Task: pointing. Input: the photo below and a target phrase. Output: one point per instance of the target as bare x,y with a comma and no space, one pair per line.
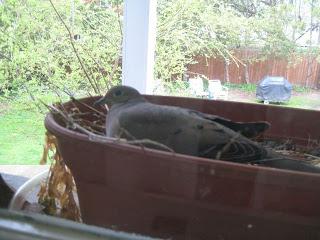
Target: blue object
274,89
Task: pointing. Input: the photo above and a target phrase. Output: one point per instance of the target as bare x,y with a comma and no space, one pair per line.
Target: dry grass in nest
286,147
56,195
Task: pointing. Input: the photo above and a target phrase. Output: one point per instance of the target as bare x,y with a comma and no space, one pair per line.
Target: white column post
139,39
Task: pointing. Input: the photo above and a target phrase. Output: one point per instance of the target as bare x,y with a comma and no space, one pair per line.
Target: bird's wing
247,129
146,120
219,142
186,132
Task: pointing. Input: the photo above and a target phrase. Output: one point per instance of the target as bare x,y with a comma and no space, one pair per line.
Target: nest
309,153
57,194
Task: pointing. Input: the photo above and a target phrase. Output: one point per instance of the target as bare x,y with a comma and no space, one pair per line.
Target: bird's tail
247,129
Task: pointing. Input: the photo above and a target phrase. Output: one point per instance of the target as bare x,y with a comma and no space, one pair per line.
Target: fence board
297,74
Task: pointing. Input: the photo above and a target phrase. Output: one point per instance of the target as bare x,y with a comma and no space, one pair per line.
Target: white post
139,39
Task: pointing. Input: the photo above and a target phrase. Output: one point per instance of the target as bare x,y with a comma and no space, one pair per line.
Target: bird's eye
117,93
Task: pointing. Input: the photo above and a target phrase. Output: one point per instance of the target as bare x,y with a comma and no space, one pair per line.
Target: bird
188,131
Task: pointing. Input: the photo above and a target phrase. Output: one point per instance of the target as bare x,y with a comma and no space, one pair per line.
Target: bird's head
118,94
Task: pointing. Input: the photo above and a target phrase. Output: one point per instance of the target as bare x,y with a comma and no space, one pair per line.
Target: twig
88,23
225,147
284,145
102,139
33,99
95,81
87,106
99,67
74,48
114,68
311,28
313,156
91,124
119,22
71,95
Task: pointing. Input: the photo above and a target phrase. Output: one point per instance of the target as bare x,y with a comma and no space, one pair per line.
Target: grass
243,87
298,102
303,102
252,87
300,89
22,130
22,136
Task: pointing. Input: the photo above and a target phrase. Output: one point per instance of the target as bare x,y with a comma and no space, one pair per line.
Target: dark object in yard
274,89
187,131
184,197
6,193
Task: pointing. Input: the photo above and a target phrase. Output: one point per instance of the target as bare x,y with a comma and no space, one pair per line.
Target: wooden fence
305,72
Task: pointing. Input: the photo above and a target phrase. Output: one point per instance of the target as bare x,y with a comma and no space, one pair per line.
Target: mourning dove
183,130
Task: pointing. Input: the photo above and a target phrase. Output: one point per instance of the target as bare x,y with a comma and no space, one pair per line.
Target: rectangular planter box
182,197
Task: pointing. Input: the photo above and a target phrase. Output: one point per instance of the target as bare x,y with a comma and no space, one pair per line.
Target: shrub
35,47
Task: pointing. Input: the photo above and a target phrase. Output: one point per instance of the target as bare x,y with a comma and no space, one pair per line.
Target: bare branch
74,48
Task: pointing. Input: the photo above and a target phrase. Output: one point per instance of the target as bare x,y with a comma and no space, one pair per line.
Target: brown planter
182,197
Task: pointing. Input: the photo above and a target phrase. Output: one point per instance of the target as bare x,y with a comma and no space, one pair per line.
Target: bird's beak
101,101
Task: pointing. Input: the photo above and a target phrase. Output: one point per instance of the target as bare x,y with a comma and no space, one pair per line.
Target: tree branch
96,90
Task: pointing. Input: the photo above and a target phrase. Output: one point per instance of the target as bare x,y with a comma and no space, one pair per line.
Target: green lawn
22,131
22,136
304,102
